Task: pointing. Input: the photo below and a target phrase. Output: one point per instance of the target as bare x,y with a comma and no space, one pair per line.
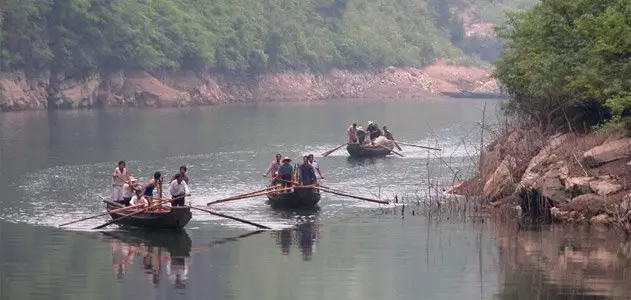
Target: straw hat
286,159
132,179
369,122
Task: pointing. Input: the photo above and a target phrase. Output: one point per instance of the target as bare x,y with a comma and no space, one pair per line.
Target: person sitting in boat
139,199
352,133
128,191
307,172
315,165
178,189
273,166
371,127
151,185
120,175
361,135
286,172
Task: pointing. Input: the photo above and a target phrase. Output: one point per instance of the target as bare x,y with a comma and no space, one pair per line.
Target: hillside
80,39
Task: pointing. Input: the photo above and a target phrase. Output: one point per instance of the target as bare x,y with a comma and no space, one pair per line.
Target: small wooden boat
170,218
295,198
370,150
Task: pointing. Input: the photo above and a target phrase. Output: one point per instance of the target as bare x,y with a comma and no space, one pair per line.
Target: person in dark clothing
307,172
387,133
182,173
375,133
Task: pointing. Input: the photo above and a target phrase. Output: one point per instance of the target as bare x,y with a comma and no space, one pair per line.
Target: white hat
132,179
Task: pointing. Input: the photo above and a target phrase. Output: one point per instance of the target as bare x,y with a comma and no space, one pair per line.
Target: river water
56,166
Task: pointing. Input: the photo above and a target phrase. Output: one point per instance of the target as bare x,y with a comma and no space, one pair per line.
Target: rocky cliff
21,91
564,177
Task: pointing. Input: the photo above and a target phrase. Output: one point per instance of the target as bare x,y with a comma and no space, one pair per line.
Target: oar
140,211
397,145
418,146
351,196
391,150
249,195
325,154
231,217
103,214
235,197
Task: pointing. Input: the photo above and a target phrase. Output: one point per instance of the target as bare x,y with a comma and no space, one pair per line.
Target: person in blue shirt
307,172
286,172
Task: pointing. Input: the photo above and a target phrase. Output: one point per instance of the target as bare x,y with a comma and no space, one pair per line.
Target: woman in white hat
128,191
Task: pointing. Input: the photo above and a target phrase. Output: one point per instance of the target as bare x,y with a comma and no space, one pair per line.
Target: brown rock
605,185
74,92
18,92
588,205
501,183
578,184
608,152
600,219
551,186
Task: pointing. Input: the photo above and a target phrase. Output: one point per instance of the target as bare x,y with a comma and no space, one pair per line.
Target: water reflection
159,251
354,161
303,236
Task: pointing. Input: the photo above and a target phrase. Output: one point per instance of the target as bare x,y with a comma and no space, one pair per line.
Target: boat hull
369,151
298,198
174,218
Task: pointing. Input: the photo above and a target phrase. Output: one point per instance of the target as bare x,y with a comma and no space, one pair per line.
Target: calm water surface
55,167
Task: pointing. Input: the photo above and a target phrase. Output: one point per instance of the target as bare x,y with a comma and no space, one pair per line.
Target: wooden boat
295,198
170,218
370,150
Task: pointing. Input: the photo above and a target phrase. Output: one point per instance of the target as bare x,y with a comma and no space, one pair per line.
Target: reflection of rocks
565,261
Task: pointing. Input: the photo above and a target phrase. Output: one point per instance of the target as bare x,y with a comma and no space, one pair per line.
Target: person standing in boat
307,172
375,133
352,133
315,165
119,177
286,172
151,185
273,166
139,199
128,191
387,134
178,188
182,174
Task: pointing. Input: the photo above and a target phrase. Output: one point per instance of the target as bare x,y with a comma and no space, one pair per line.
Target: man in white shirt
315,165
120,175
128,191
178,188
139,199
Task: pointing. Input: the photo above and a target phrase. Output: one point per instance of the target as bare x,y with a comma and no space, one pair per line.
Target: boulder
20,92
578,184
608,152
551,186
588,205
501,183
605,185
74,92
530,176
600,219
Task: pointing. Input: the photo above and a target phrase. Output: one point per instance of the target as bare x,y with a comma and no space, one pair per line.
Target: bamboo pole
230,217
248,195
418,146
325,154
351,196
391,150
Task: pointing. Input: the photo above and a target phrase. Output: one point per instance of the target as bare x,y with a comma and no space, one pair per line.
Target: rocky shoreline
562,178
125,88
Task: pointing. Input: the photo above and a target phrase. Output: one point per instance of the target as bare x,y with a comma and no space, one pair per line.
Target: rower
119,177
307,172
178,188
387,133
151,185
286,172
361,135
375,133
273,166
352,133
315,165
139,199
182,173
128,191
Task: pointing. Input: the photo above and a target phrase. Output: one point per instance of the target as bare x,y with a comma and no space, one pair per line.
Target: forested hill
79,37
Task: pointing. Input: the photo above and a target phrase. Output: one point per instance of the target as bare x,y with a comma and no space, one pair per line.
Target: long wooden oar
230,217
236,197
397,145
391,150
103,214
418,146
325,154
351,196
249,195
140,211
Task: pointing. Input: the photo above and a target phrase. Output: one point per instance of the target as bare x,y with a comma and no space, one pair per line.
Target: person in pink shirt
273,166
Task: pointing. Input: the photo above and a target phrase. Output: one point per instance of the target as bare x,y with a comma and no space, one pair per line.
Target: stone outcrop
501,183
136,88
608,152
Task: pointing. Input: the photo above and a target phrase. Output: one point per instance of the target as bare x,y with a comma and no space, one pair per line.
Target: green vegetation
567,63
75,37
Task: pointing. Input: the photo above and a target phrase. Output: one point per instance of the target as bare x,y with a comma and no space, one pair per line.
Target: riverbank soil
564,178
